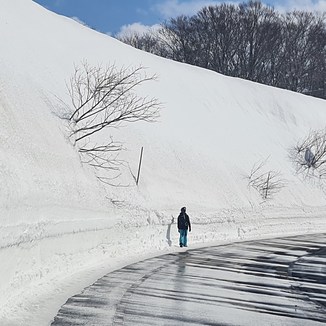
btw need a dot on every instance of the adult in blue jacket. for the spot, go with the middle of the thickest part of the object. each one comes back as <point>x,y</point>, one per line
<point>183,226</point>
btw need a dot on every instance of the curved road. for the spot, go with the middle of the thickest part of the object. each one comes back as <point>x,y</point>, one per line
<point>267,282</point>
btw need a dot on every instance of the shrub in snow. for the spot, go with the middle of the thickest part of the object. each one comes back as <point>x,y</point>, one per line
<point>309,155</point>
<point>267,183</point>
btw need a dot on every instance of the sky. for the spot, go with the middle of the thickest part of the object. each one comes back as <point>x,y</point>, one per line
<point>120,16</point>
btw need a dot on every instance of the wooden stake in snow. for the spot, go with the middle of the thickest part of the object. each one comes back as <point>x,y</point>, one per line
<point>140,160</point>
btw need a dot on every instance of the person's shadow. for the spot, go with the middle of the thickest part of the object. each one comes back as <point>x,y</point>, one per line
<point>168,232</point>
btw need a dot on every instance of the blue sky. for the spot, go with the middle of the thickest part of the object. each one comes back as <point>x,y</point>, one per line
<point>112,16</point>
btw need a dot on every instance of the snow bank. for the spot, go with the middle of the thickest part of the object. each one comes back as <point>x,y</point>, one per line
<point>61,229</point>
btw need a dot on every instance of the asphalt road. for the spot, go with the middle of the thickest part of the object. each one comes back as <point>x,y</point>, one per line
<point>267,282</point>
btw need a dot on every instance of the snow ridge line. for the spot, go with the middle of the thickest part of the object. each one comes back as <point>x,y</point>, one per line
<point>31,233</point>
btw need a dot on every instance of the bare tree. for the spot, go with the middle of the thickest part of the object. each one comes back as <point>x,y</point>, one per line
<point>178,37</point>
<point>101,98</point>
<point>219,36</point>
<point>309,155</point>
<point>148,41</point>
<point>303,52</point>
<point>250,40</point>
<point>259,34</point>
<point>267,183</point>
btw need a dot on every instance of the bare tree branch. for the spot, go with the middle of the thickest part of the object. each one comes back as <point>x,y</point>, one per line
<point>309,155</point>
<point>267,183</point>
<point>103,97</point>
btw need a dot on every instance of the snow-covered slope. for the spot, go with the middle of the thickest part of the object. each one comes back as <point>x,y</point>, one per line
<point>58,221</point>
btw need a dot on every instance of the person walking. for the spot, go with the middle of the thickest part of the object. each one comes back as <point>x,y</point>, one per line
<point>183,226</point>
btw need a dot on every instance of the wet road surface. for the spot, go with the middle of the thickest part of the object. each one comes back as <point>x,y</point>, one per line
<point>266,282</point>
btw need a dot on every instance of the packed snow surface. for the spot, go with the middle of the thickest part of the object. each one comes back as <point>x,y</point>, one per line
<point>61,228</point>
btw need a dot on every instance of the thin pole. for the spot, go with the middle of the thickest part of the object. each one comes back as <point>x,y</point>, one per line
<point>267,185</point>
<point>140,160</point>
